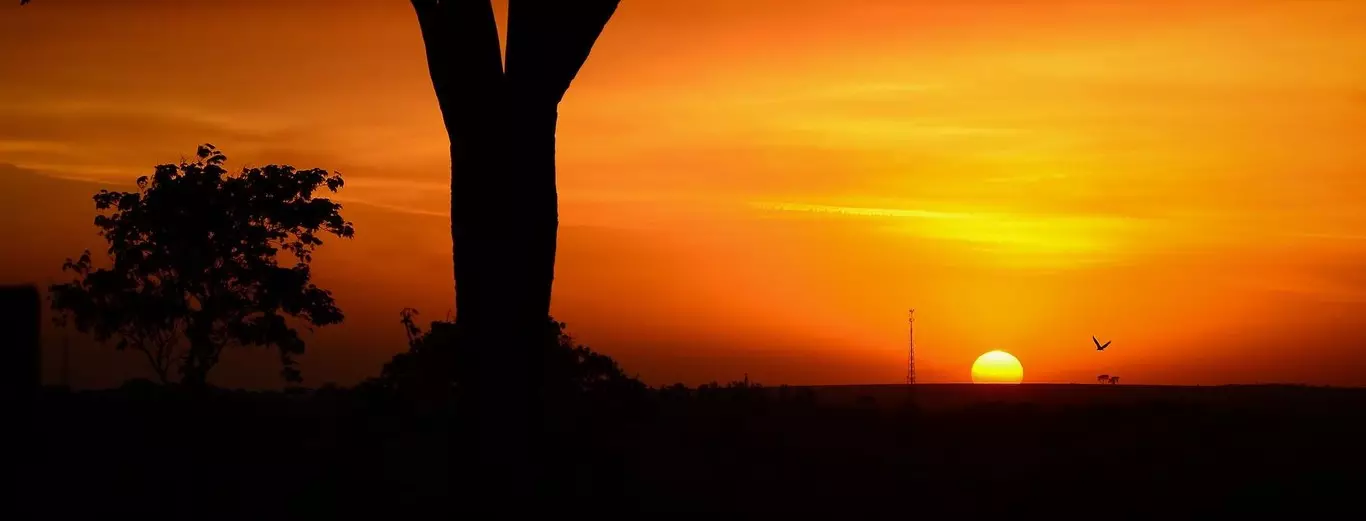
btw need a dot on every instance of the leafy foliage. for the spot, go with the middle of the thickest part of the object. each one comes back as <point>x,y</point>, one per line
<point>196,264</point>
<point>433,356</point>
<point>426,369</point>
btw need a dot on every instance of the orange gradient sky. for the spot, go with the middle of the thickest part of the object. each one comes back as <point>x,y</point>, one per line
<point>766,186</point>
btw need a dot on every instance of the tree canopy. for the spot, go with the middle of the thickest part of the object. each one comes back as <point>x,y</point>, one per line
<point>197,266</point>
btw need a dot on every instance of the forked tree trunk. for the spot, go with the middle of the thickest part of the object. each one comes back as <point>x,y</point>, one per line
<point>504,208</point>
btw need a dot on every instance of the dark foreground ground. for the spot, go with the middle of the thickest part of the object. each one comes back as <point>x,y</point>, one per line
<point>932,452</point>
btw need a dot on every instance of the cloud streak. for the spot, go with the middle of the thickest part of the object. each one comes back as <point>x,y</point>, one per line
<point>856,211</point>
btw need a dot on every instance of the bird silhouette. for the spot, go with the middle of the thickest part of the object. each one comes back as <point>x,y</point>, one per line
<point>1099,346</point>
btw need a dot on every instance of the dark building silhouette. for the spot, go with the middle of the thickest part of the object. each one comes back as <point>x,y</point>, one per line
<point>21,359</point>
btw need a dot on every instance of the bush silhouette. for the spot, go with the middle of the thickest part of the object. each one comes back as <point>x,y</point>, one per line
<point>438,359</point>
<point>196,265</point>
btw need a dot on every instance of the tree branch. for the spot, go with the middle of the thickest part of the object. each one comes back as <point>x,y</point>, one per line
<point>463,57</point>
<point>549,41</point>
<point>139,342</point>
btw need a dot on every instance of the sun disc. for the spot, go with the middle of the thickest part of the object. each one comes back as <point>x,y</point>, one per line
<point>997,367</point>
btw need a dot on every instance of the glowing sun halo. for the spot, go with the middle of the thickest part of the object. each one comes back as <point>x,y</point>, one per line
<point>997,367</point>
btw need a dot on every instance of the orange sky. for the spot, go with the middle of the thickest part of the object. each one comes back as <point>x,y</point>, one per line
<point>765,186</point>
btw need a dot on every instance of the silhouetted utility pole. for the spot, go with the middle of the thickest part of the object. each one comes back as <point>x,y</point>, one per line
<point>910,349</point>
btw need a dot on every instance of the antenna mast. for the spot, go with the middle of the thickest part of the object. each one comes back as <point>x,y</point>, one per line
<point>910,349</point>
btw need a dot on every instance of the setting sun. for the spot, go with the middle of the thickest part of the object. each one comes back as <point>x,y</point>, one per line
<point>997,367</point>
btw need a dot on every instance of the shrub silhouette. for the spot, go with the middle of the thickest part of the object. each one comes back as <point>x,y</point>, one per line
<point>438,360</point>
<point>196,265</point>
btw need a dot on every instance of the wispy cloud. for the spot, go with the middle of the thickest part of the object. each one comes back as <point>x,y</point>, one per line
<point>65,172</point>
<point>409,210</point>
<point>857,211</point>
<point>11,146</point>
<point>1354,237</point>
<point>402,184</point>
<point>1008,238</point>
<point>846,91</point>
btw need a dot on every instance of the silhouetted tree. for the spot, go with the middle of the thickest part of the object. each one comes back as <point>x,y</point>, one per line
<point>1114,380</point>
<point>500,116</point>
<point>196,265</point>
<point>1105,379</point>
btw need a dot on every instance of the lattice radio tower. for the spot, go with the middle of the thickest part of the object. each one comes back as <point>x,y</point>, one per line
<point>910,348</point>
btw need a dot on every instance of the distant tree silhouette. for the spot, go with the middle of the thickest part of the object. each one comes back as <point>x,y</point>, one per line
<point>1105,379</point>
<point>1114,380</point>
<point>196,265</point>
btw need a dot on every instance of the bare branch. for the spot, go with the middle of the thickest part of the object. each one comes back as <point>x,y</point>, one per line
<point>463,58</point>
<point>548,42</point>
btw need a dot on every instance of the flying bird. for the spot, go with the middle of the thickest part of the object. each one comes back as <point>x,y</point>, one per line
<point>1099,346</point>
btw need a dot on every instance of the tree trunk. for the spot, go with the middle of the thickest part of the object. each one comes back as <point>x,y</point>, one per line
<point>504,211</point>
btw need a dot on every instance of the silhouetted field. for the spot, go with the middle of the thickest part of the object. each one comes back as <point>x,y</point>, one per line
<point>1264,398</point>
<point>935,450</point>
